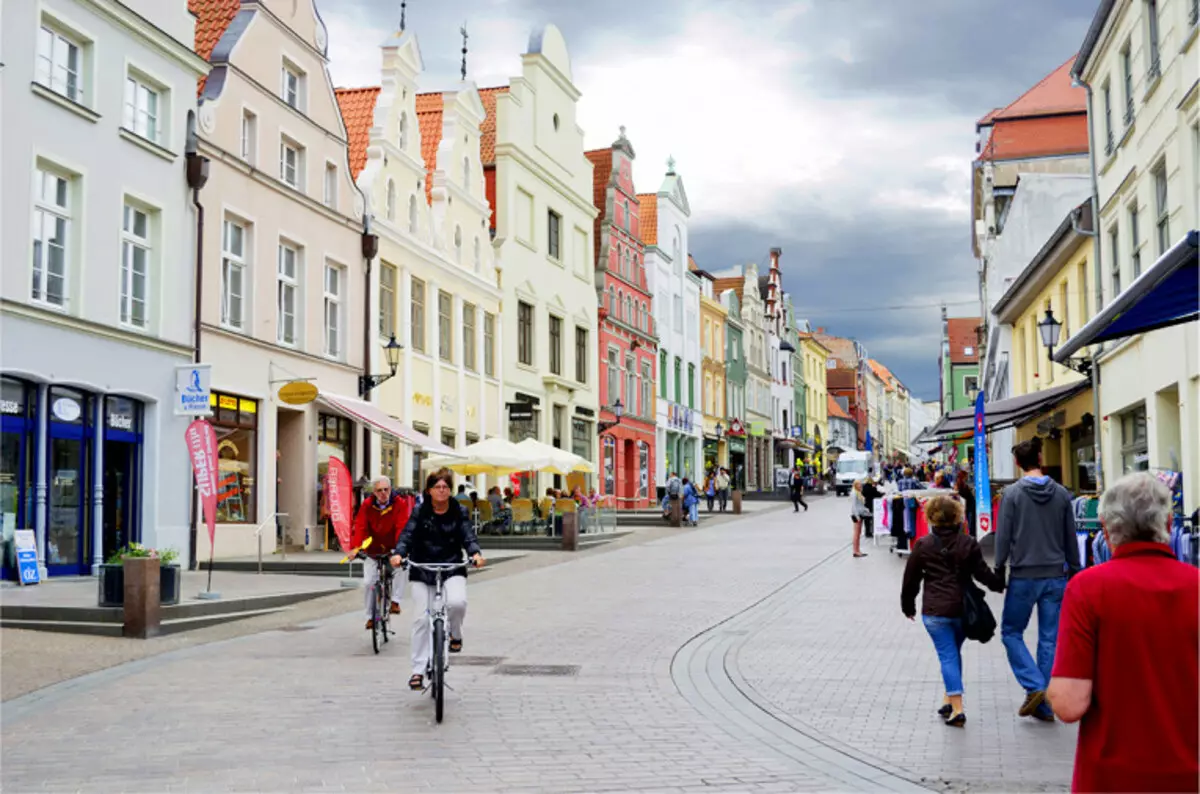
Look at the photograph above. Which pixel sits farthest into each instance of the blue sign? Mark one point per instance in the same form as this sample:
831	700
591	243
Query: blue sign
983	485
27	561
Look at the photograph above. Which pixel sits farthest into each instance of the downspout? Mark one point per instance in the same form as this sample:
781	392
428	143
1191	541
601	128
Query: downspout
1078	81
370	248
196	170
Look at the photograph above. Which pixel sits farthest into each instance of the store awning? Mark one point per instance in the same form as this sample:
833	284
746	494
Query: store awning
1004	413
367	414
1168	293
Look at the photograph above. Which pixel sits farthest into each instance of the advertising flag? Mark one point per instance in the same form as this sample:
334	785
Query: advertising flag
983	487
340	500
202	449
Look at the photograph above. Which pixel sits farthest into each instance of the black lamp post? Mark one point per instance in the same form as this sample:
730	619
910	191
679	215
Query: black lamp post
1051	329
618	410
368	382
720	431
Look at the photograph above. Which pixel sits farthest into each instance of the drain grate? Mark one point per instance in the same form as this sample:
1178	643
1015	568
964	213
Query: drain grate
476	661
560	670
297	628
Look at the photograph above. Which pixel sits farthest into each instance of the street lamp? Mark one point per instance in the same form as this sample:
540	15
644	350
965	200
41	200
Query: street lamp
1050	330
368	382
618	409
720	431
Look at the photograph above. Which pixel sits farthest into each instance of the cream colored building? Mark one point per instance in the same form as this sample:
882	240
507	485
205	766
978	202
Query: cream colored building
816	393
416	158
283	267
544	251
1142	61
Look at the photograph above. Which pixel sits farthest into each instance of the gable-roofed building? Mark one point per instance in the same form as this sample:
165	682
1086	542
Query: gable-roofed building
417	158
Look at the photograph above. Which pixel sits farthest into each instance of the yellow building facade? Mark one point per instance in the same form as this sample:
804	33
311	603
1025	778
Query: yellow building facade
712	365
816	395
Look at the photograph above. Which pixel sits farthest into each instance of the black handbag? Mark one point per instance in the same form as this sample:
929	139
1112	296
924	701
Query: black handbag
979	623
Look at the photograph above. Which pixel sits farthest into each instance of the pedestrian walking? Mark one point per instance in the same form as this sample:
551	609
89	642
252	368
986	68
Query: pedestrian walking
870	492
858	508
1127	664
942	562
963	487
723	487
797	489
1036	534
710	488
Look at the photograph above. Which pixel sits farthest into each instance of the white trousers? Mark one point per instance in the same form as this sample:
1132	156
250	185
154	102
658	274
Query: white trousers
455	589
370	575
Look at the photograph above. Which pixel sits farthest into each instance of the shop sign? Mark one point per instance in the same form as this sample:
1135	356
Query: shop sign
520	412
758	428
202	450
27	561
193	389
423	399
120	421
797	431
10	407
66	409
297	392
736	428
737	445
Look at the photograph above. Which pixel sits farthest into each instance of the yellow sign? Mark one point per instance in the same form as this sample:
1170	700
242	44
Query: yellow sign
423	399
297	392
229	403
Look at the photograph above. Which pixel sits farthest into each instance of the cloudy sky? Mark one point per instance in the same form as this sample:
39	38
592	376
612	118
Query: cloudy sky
841	131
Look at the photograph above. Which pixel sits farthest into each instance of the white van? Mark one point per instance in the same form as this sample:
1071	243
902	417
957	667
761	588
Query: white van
852	466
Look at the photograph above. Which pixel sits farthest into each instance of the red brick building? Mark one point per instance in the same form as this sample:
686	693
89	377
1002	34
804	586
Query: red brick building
628	345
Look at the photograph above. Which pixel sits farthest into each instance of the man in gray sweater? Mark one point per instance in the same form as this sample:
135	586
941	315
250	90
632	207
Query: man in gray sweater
1035	535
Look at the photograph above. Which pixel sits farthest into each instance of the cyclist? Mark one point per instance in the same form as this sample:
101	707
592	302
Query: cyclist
438	532
381	516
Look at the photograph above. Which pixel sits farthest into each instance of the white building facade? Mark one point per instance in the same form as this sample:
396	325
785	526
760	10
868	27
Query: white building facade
97	298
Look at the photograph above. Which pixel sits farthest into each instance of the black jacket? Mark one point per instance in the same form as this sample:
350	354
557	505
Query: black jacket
941	571
428	538
871	492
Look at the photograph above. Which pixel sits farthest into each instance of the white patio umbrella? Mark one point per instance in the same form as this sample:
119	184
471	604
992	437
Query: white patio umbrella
559	460
492	456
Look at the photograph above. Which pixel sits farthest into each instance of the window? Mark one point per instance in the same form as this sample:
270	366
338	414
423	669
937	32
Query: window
331	179
233	274
553	233
1134	446
1135	255
285	295
1127	82
333	310
477	256
466	173
135	265
51	228
524	334
489	344
970	386
235	421
1114	245
644	408
291	85
1161	209
581	355
291	163
412	214
416	332
249	137
662	374
60	63
402	137
458	245
678	380
1106	96
691	385
469	336
555	345
1155	65
630	384
445	326
387	300
613	378
524	215
141	109
1081	279
677	304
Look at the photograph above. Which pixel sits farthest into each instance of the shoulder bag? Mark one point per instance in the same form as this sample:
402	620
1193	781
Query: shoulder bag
979	623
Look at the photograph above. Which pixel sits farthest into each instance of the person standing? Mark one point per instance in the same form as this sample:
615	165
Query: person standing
1036	535
1127	664
797	488
381	517
857	508
870	492
710	488
964	489
941	561
691	502
723	487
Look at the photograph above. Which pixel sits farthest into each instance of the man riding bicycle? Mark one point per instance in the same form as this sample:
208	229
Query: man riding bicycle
438	532
380	517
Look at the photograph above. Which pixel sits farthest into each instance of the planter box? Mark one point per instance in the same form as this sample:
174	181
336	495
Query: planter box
112	585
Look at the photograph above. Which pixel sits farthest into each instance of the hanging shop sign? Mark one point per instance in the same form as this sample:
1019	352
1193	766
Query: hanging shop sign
297	392
193	389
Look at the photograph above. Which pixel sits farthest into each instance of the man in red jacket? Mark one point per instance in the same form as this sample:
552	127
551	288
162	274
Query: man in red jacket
382	517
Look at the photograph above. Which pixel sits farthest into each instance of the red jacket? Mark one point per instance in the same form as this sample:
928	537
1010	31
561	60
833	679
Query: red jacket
383	523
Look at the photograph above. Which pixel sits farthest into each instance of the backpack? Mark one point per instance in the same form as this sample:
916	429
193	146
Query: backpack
673	486
979	623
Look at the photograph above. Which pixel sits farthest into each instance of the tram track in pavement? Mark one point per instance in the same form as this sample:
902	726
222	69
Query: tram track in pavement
705	673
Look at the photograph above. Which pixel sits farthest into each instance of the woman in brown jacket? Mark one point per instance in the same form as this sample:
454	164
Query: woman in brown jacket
941	561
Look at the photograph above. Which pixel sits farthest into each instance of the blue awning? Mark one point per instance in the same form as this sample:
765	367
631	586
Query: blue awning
1168	293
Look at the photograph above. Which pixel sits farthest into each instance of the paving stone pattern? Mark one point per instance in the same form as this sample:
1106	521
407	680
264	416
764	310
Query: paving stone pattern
754	655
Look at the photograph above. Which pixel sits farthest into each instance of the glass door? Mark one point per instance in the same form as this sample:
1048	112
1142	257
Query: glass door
17	456
68	475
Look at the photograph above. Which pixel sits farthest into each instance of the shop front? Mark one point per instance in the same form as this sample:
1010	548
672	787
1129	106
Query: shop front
1068	442
735	439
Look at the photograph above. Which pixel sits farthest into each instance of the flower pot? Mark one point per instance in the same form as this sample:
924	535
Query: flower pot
112	585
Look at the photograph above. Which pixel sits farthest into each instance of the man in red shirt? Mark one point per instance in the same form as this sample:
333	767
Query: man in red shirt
1129	652
382	517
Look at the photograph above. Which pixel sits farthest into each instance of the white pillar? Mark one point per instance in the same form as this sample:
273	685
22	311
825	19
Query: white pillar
42	487
98	488
432	317
460	347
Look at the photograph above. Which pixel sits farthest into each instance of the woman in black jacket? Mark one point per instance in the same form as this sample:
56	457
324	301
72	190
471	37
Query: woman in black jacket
438	532
941	561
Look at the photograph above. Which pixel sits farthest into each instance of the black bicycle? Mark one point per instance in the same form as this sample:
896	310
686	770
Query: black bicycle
435	612
381	599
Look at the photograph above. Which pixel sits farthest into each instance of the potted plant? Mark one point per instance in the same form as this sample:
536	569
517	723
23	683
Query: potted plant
112	574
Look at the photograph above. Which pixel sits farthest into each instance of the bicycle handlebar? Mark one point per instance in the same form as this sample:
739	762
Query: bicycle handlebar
434	567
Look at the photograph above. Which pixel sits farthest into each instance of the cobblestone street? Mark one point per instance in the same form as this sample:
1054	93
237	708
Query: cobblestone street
753	655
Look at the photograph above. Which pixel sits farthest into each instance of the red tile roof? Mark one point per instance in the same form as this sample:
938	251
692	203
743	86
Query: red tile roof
1047	120
839	378
692	263
358	112
648	221
735	283
963	335
487	130
1052	95
601	172
212	18
835	410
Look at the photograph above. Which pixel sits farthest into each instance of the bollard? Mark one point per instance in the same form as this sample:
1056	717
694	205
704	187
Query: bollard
570	531
676	512
737	503
143	609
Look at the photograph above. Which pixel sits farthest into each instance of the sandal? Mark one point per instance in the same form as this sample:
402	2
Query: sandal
455	645
416	683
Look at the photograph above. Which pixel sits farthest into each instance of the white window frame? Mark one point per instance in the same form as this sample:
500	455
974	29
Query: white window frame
414	219
234	263
387	299
45	210
389	201
333	284
248	134
286	145
470	320
445	326
1162	206
132	243
287	283
331	184
554	235
48	65
489	344
144	121
292	95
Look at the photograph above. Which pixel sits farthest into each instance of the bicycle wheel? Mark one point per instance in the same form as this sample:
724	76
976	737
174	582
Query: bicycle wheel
437	674
385	608
376	617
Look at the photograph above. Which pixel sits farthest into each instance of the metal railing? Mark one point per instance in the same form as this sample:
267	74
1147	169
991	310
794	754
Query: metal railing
271	520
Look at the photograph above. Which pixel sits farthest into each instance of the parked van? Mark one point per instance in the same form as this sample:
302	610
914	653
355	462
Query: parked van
852	466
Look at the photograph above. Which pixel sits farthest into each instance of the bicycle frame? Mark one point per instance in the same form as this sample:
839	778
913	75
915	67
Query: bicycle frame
435	613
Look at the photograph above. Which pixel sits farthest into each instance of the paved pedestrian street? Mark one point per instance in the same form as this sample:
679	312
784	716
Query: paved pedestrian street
749	655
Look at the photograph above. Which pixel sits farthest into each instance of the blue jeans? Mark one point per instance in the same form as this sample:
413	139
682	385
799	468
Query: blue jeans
694	512
1023	595
947	635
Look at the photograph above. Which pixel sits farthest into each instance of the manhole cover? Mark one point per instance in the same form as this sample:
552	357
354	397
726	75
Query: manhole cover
297	628
476	661
538	669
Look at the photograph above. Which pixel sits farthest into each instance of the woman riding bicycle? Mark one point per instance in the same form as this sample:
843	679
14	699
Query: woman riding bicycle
438	532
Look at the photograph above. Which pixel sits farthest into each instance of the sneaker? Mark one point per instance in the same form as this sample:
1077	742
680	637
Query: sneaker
1044	713
1032	701
957	721
945	711
395	610
455	645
